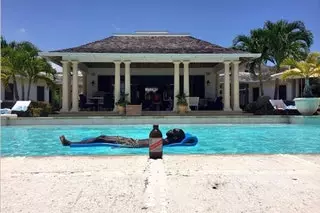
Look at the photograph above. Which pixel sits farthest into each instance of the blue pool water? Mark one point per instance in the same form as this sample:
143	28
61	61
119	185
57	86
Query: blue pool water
213	139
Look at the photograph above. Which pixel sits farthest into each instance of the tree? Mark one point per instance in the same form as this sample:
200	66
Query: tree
5	75
286	40
256	42
39	69
305	69
21	59
27	52
35	68
8	64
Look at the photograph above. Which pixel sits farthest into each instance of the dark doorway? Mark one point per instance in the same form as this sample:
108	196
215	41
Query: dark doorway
50	96
197	86
105	83
40	93
8	92
255	92
244	94
283	92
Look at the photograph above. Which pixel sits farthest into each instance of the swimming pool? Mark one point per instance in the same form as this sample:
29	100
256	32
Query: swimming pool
213	139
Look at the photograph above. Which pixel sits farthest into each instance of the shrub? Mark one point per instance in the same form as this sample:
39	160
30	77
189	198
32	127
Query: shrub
36	112
251	107
260	107
46	108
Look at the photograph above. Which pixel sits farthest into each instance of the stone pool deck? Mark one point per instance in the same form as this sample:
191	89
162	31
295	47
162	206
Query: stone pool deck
193	183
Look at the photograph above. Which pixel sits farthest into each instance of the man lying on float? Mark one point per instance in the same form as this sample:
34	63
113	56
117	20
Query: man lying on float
174	137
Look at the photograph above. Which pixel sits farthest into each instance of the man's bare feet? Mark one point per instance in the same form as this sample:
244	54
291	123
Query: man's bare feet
64	141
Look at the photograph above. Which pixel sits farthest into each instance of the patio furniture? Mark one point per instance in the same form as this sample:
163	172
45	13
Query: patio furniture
168	104
19	106
216	104
108	102
203	103
194	102
83	104
280	107
95	101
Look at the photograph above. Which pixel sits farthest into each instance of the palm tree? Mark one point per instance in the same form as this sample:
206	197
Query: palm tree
21	59
39	69
305	69
26	52
8	68
5	74
286	40
256	42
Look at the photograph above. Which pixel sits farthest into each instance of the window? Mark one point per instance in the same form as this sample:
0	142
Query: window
40	93
8	92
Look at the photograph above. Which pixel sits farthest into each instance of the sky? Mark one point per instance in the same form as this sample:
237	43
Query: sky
53	25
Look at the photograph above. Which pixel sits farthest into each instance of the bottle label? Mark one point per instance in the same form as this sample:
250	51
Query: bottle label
155	144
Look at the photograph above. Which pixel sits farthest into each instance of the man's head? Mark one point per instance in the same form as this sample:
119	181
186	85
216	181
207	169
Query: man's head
175	135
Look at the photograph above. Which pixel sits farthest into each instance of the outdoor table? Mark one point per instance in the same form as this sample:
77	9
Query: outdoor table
95	101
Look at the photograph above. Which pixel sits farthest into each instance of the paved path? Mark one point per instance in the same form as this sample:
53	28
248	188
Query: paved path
259	183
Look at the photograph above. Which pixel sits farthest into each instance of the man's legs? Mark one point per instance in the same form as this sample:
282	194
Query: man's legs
66	142
101	138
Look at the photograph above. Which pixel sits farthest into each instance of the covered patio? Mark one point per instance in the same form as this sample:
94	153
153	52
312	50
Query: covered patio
145	64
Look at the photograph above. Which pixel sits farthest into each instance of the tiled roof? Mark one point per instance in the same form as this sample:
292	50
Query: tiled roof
161	44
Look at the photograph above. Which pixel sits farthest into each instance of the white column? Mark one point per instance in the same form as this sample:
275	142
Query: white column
65	87
214	83
186	80
226	96
232	84
217	84
69	86
127	80
75	87
84	83
176	83
116	83
297	88
235	86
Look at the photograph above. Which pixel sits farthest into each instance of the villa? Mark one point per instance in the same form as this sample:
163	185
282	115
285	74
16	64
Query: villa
159	62
150	61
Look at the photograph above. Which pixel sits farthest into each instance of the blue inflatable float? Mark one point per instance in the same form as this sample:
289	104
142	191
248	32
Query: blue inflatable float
189	140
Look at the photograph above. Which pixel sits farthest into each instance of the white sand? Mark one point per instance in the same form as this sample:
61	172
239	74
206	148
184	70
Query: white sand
259	183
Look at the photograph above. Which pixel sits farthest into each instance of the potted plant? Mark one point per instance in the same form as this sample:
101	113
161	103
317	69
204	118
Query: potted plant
310	68
182	103
122	103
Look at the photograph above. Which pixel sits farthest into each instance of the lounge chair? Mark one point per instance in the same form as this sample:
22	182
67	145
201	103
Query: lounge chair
280	106
19	106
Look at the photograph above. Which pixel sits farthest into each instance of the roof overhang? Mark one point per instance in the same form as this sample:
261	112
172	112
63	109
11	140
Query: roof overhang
278	76
56	57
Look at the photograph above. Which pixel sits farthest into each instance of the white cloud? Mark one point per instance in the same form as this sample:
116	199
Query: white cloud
22	30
